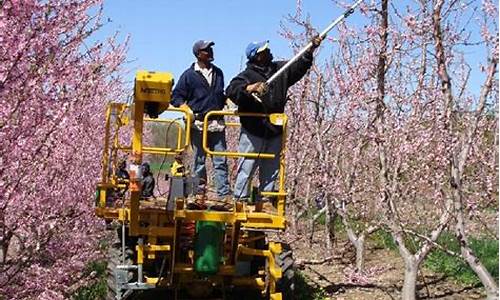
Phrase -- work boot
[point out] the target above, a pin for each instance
(258, 206)
(199, 202)
(266, 206)
(225, 204)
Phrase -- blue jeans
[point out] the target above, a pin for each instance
(216, 142)
(268, 168)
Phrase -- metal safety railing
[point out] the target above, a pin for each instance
(277, 119)
(119, 115)
(118, 110)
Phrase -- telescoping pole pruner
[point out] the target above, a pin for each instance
(322, 35)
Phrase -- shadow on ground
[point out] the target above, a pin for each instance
(304, 290)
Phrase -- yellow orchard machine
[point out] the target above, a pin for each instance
(161, 244)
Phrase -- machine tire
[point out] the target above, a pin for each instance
(286, 284)
(114, 259)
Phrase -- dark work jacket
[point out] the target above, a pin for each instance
(148, 186)
(274, 100)
(122, 174)
(194, 90)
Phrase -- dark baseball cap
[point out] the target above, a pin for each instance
(200, 45)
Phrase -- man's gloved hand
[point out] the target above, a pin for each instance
(259, 88)
(316, 41)
(230, 105)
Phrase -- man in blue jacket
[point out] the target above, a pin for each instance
(258, 135)
(201, 87)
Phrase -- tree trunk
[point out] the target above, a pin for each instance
(311, 231)
(329, 225)
(5, 245)
(357, 241)
(410, 280)
(460, 152)
(489, 283)
(360, 252)
(313, 222)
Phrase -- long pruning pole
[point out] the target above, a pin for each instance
(322, 35)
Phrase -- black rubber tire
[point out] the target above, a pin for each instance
(286, 284)
(114, 259)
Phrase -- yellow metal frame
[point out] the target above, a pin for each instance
(133, 214)
(167, 150)
(277, 119)
(118, 109)
(137, 151)
(150, 250)
(228, 153)
(248, 220)
(122, 120)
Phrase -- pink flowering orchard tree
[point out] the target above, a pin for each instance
(409, 145)
(398, 126)
(412, 144)
(465, 130)
(54, 86)
(328, 143)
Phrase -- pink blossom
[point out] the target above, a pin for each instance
(51, 129)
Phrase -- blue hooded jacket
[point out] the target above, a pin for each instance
(194, 90)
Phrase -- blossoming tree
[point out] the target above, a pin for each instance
(402, 127)
(54, 85)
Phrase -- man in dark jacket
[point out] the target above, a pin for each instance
(148, 182)
(122, 177)
(258, 135)
(201, 87)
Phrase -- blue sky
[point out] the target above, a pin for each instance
(163, 32)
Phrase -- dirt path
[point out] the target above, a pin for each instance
(332, 279)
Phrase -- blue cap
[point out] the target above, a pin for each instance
(200, 45)
(255, 47)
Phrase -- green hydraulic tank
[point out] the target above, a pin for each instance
(208, 247)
